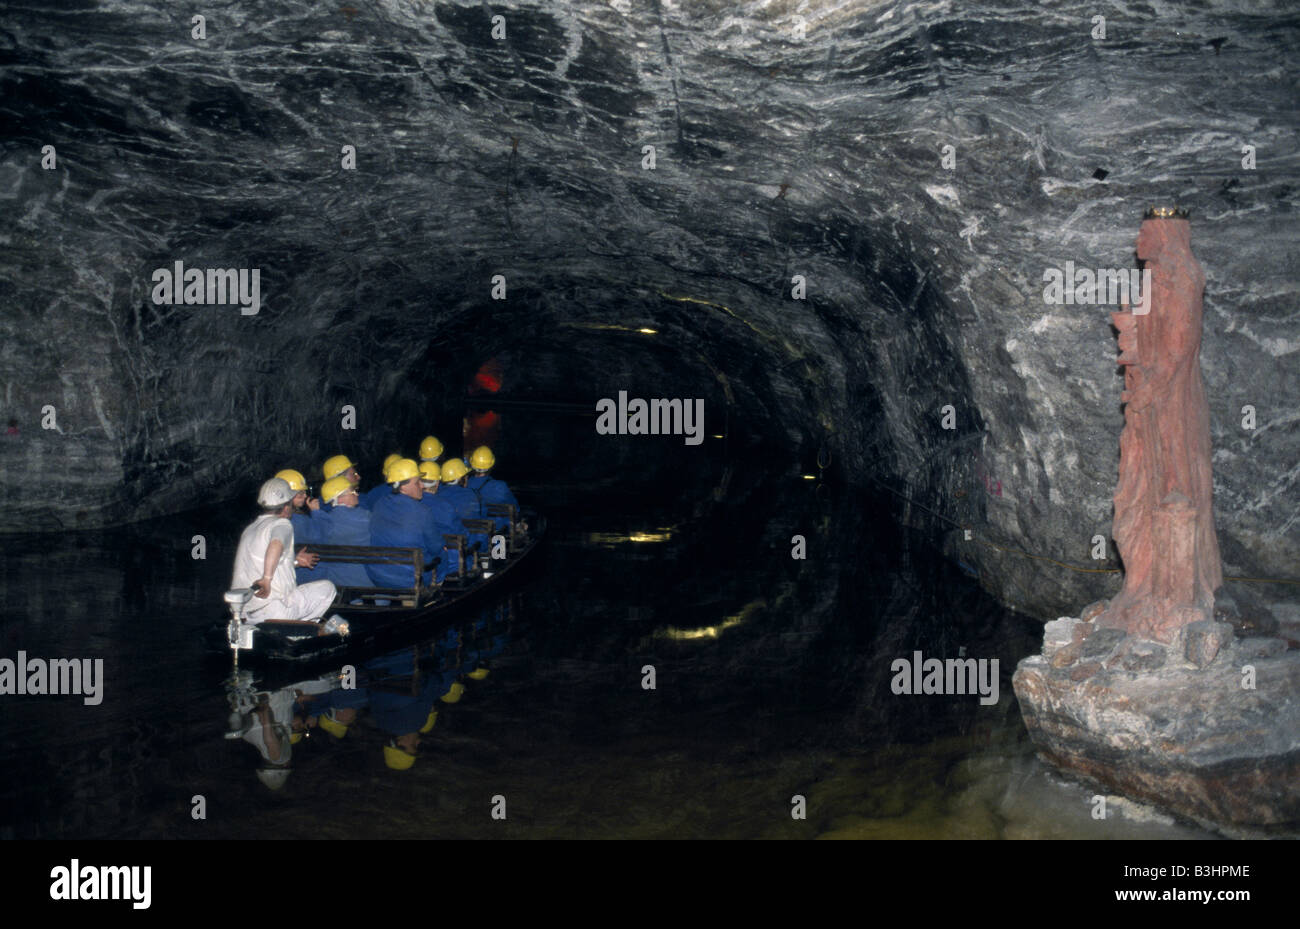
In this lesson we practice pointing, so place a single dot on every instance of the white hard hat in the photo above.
(275, 492)
(273, 778)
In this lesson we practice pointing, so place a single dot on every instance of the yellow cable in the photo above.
(1016, 551)
(729, 310)
(1262, 580)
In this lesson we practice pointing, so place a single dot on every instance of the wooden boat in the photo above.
(381, 617)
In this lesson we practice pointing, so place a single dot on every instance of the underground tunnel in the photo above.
(251, 238)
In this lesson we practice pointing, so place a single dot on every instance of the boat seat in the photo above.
(509, 511)
(484, 526)
(458, 542)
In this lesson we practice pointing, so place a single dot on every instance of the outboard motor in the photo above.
(239, 633)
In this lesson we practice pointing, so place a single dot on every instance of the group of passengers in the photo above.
(417, 505)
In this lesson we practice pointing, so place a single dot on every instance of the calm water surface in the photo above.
(772, 680)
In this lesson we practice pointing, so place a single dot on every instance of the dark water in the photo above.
(772, 680)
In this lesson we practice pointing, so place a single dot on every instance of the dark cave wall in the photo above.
(775, 156)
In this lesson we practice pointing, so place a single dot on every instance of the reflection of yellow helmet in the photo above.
(430, 448)
(453, 471)
(388, 462)
(482, 459)
(397, 759)
(335, 466)
(403, 469)
(454, 694)
(334, 487)
(429, 723)
(297, 483)
(332, 725)
(429, 471)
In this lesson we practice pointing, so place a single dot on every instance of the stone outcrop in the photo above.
(1205, 727)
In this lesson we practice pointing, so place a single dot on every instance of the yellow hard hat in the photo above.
(403, 469)
(429, 471)
(430, 448)
(334, 488)
(482, 459)
(335, 466)
(297, 483)
(454, 693)
(388, 461)
(453, 471)
(430, 722)
(397, 759)
(295, 738)
(332, 725)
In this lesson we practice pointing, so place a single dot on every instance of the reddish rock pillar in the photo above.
(1164, 508)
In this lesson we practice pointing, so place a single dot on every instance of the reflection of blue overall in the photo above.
(348, 525)
(398, 711)
(398, 521)
(338, 699)
(481, 647)
(466, 506)
(448, 524)
(446, 651)
(490, 491)
(308, 527)
(372, 496)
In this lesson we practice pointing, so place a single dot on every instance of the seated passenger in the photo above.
(307, 519)
(348, 524)
(489, 489)
(379, 491)
(430, 449)
(400, 520)
(341, 465)
(448, 520)
(463, 501)
(265, 559)
(304, 509)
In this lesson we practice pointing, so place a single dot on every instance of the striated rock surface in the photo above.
(1219, 745)
(790, 139)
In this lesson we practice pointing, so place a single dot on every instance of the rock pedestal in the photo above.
(1206, 727)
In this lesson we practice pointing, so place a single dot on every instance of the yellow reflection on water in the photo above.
(616, 538)
(712, 632)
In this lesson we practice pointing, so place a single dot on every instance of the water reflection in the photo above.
(394, 699)
(772, 679)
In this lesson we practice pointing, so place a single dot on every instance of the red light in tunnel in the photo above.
(482, 427)
(487, 378)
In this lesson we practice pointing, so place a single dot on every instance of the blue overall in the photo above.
(400, 522)
(448, 523)
(372, 496)
(347, 525)
(490, 490)
(308, 528)
(466, 506)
